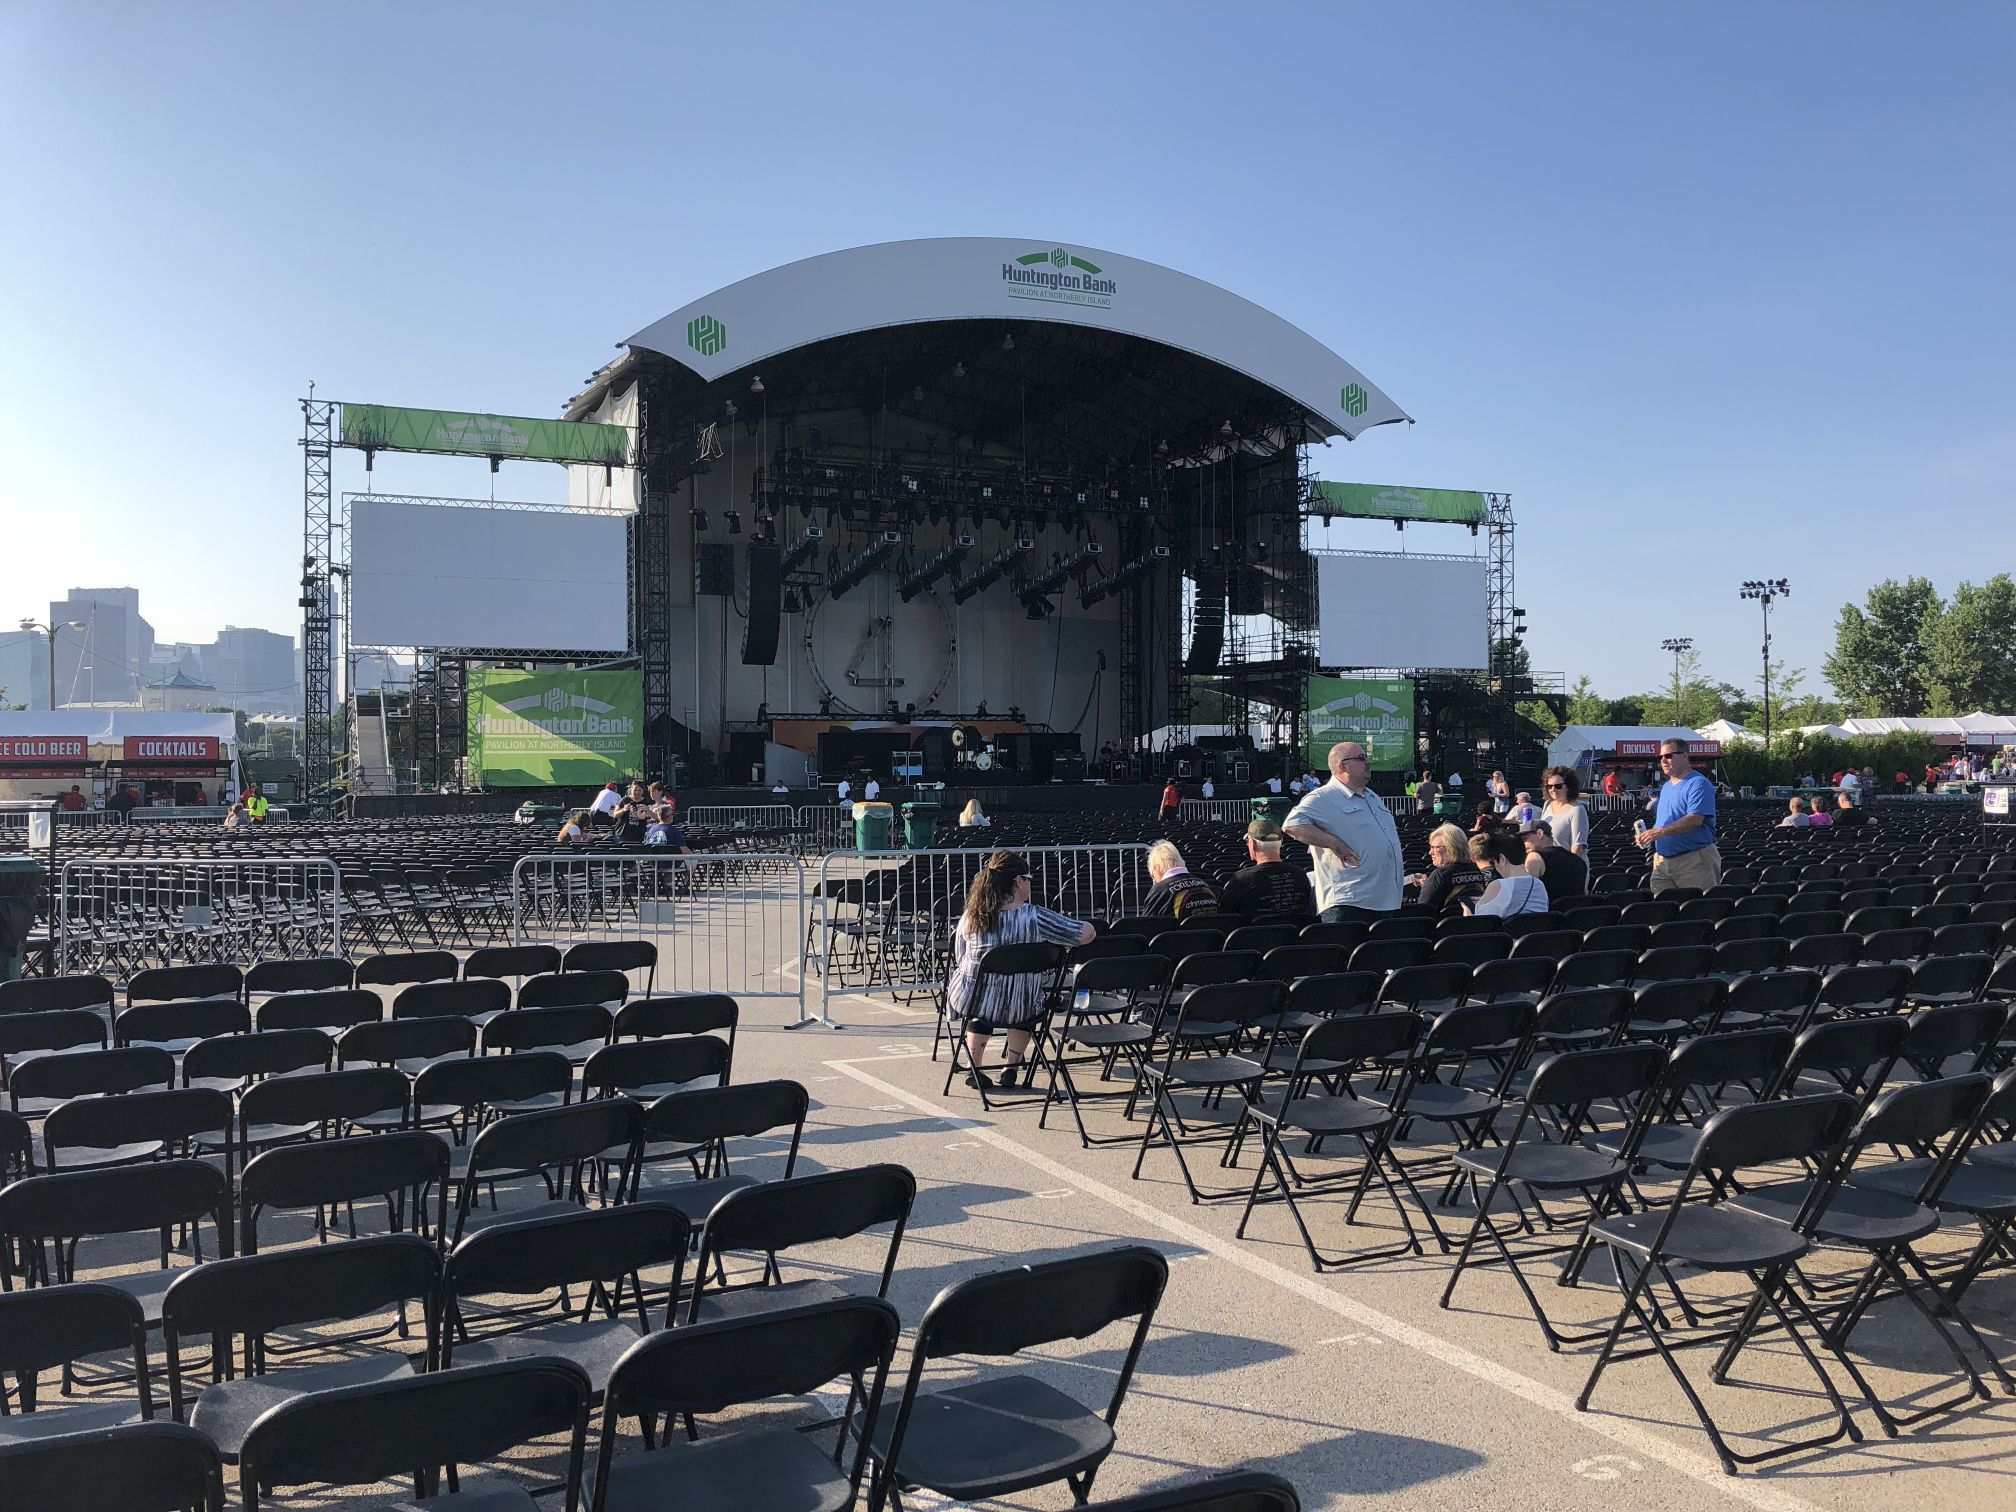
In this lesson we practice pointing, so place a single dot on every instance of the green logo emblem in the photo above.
(706, 335)
(1354, 400)
(1059, 258)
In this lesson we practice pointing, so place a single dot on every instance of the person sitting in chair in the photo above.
(1270, 885)
(1176, 893)
(998, 912)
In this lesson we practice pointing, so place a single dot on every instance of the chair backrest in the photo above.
(246, 1057)
(1334, 993)
(406, 966)
(1582, 1011)
(1437, 983)
(1548, 944)
(115, 1200)
(314, 974)
(1472, 949)
(1358, 1038)
(390, 1041)
(170, 1118)
(511, 961)
(336, 1009)
(1121, 974)
(1478, 1026)
(1289, 963)
(324, 1172)
(166, 1023)
(1218, 1010)
(1935, 1115)
(338, 1096)
(471, 1081)
(1937, 1035)
(707, 1114)
(1233, 1491)
(165, 984)
(625, 1069)
(1860, 1049)
(574, 989)
(51, 1029)
(1742, 1055)
(48, 994)
(463, 999)
(54, 1325)
(1575, 1078)
(408, 1426)
(1004, 1312)
(1693, 1000)
(549, 1251)
(86, 1073)
(140, 1467)
(1771, 1133)
(1496, 979)
(1877, 988)
(1209, 967)
(1390, 955)
(253, 1295)
(790, 1213)
(1349, 933)
(610, 955)
(549, 1137)
(688, 1013)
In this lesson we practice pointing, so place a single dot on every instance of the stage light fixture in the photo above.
(756, 384)
(734, 519)
(699, 519)
(1008, 341)
(958, 370)
(856, 572)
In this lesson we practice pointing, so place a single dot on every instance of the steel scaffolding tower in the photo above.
(318, 421)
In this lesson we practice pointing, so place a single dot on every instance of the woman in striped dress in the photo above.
(998, 912)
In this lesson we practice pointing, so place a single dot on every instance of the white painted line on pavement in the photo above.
(1643, 1441)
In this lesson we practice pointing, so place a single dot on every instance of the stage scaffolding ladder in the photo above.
(881, 922)
(118, 917)
(723, 921)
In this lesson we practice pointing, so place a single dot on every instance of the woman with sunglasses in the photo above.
(1566, 815)
(1452, 878)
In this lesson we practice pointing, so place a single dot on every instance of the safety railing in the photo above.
(810, 830)
(119, 917)
(1216, 810)
(727, 921)
(881, 922)
(826, 827)
(190, 813)
(68, 818)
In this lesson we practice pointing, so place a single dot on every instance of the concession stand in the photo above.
(168, 759)
(1632, 751)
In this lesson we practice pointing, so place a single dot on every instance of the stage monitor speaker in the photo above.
(759, 630)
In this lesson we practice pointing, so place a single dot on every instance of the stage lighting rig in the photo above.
(856, 572)
(995, 568)
(1062, 572)
(799, 555)
(939, 566)
(1140, 566)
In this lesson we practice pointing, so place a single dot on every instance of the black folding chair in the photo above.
(703, 1369)
(404, 967)
(93, 1132)
(516, 961)
(284, 1109)
(1006, 1433)
(479, 1000)
(698, 1125)
(648, 1069)
(415, 1427)
(240, 1304)
(1102, 1019)
(142, 1467)
(1711, 1236)
(773, 1217)
(57, 1326)
(575, 989)
(313, 974)
(28, 1036)
(1038, 958)
(1542, 1158)
(232, 1062)
(564, 1147)
(624, 956)
(576, 1032)
(1201, 1056)
(576, 1266)
(40, 1084)
(670, 1017)
(332, 1011)
(402, 1167)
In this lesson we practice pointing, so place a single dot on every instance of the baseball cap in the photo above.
(1530, 825)
(1266, 831)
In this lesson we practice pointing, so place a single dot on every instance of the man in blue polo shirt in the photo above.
(1682, 836)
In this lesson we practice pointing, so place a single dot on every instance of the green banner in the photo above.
(382, 427)
(1374, 501)
(1377, 713)
(555, 728)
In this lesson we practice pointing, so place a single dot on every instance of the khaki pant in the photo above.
(1701, 869)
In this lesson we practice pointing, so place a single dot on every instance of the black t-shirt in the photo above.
(1563, 873)
(1180, 896)
(1268, 887)
(1452, 884)
(1849, 818)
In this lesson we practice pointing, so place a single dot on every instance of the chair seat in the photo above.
(1988, 1191)
(1107, 1036)
(147, 1287)
(227, 1410)
(90, 1157)
(1547, 1166)
(1325, 1115)
(994, 1437)
(85, 1417)
(479, 1493)
(1663, 1145)
(1713, 1238)
(752, 1301)
(696, 1199)
(2001, 1157)
(1210, 1071)
(595, 1344)
(1861, 1217)
(1440, 1102)
(764, 1470)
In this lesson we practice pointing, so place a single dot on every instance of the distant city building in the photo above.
(179, 694)
(253, 670)
(102, 662)
(24, 668)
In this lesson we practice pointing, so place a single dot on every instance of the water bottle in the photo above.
(1638, 827)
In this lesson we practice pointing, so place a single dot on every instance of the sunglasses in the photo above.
(1552, 786)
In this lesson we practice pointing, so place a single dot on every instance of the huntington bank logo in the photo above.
(1354, 400)
(706, 335)
(555, 700)
(1057, 275)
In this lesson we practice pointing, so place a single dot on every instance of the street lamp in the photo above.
(1679, 645)
(1765, 591)
(50, 630)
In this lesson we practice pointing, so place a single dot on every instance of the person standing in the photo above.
(1210, 788)
(1274, 784)
(998, 912)
(1172, 796)
(871, 789)
(1613, 785)
(1426, 791)
(1353, 841)
(73, 801)
(1682, 834)
(1270, 885)
(1500, 791)
(1849, 783)
(1566, 815)
(124, 802)
(256, 806)
(846, 791)
(602, 813)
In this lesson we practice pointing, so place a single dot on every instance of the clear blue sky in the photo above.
(1714, 291)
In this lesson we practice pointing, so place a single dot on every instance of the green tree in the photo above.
(1538, 714)
(1879, 664)
(1971, 649)
(1585, 705)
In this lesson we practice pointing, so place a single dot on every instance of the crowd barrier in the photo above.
(118, 917)
(881, 922)
(725, 921)
(17, 819)
(182, 814)
(1216, 810)
(809, 830)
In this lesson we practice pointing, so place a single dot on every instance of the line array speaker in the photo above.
(759, 631)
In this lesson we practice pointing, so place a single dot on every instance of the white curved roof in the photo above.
(1002, 278)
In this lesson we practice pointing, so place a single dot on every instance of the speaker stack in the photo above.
(766, 587)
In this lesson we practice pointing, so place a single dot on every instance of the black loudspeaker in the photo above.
(1207, 627)
(759, 631)
(714, 569)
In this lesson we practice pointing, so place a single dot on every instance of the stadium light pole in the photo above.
(29, 626)
(1679, 645)
(1766, 591)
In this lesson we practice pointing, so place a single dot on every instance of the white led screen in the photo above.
(516, 579)
(1401, 611)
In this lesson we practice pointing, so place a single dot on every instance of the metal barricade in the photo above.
(182, 814)
(119, 917)
(726, 921)
(68, 818)
(882, 921)
(824, 827)
(1217, 810)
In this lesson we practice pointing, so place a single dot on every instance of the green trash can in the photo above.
(1273, 808)
(1449, 806)
(21, 883)
(872, 824)
(920, 824)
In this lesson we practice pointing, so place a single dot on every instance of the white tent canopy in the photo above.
(1977, 728)
(111, 726)
(1581, 745)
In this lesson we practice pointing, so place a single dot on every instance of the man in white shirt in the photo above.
(605, 805)
(1456, 780)
(1209, 790)
(846, 790)
(1274, 785)
(871, 790)
(1851, 787)
(1353, 841)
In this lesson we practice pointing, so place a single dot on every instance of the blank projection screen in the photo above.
(1401, 611)
(517, 579)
